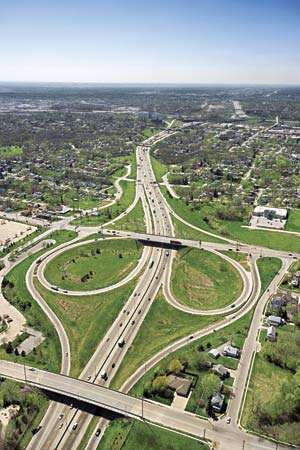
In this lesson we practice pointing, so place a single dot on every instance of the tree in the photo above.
(159, 384)
(175, 366)
(203, 361)
(209, 384)
(9, 347)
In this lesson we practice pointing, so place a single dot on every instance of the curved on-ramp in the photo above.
(125, 280)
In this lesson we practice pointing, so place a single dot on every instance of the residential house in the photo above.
(181, 385)
(217, 402)
(220, 370)
(214, 353)
(231, 351)
(276, 321)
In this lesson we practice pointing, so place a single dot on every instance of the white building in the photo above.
(274, 213)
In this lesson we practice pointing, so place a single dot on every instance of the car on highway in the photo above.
(121, 342)
(75, 426)
(228, 420)
(98, 432)
(104, 375)
(60, 416)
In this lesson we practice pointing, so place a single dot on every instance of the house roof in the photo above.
(275, 319)
(181, 385)
(214, 352)
(217, 399)
(221, 370)
(230, 349)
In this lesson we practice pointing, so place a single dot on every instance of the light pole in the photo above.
(24, 372)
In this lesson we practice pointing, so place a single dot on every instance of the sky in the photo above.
(151, 41)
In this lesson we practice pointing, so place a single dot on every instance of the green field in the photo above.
(95, 265)
(134, 221)
(86, 319)
(268, 267)
(293, 223)
(10, 152)
(48, 354)
(203, 280)
(110, 212)
(231, 229)
(240, 257)
(162, 325)
(148, 132)
(159, 168)
(125, 434)
(185, 232)
(272, 399)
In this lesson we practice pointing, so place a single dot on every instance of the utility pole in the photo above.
(24, 372)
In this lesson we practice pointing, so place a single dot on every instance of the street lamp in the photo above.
(24, 372)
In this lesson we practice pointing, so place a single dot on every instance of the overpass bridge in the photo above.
(103, 397)
(173, 242)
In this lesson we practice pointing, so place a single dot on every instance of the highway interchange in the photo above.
(152, 272)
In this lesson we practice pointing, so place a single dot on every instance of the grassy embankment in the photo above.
(95, 265)
(271, 402)
(159, 168)
(10, 152)
(242, 258)
(203, 280)
(185, 232)
(125, 434)
(134, 221)
(293, 223)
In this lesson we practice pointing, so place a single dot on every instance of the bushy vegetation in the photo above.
(31, 404)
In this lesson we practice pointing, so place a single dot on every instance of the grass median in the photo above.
(162, 326)
(133, 221)
(86, 319)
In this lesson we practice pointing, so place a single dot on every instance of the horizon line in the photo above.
(152, 83)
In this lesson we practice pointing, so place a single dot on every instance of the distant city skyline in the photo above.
(157, 42)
